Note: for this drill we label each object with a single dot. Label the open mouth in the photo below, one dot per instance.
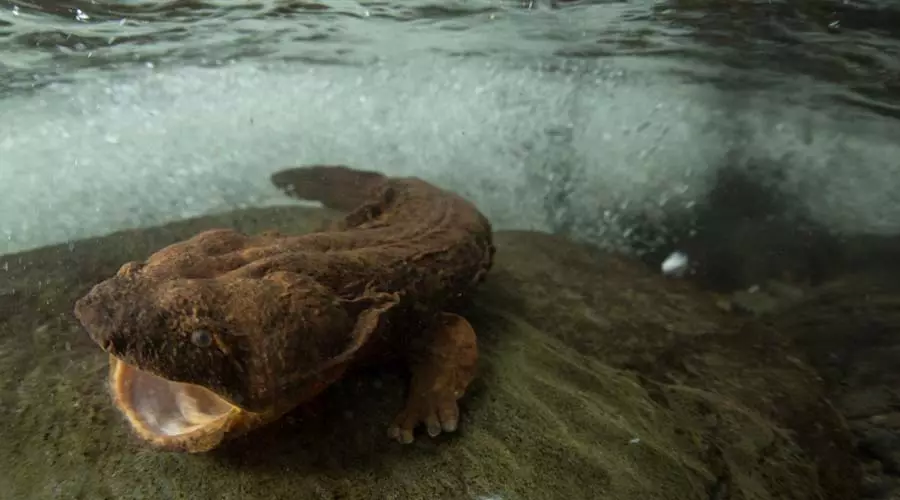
(164, 411)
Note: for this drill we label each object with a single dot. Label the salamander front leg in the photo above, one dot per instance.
(440, 377)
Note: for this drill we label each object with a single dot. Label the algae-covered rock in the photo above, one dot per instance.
(598, 379)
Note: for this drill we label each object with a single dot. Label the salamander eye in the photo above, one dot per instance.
(201, 338)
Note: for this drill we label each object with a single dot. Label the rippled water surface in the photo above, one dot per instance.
(560, 116)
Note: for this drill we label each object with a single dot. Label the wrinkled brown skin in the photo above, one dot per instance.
(289, 314)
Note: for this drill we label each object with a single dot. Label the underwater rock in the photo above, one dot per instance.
(598, 378)
(849, 331)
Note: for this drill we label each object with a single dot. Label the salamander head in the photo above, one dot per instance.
(195, 359)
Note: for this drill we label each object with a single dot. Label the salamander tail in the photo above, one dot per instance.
(335, 186)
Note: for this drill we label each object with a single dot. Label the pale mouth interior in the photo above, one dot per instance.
(163, 407)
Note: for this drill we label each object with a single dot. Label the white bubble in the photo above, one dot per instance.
(675, 264)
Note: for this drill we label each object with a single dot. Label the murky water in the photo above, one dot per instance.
(554, 116)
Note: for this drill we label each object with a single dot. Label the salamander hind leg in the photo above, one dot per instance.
(440, 377)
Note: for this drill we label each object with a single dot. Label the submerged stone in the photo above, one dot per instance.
(598, 378)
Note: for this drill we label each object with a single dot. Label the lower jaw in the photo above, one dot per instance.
(198, 440)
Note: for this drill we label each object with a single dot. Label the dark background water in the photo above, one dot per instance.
(576, 117)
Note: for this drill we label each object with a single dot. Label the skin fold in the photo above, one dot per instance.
(219, 334)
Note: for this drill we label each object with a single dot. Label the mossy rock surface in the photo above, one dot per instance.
(598, 379)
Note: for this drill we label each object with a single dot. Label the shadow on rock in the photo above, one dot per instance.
(850, 332)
